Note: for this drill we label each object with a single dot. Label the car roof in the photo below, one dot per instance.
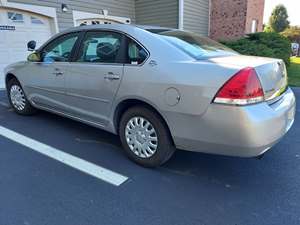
(121, 27)
(125, 28)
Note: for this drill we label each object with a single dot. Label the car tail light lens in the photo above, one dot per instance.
(242, 89)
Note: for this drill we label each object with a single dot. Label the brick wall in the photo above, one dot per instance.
(232, 19)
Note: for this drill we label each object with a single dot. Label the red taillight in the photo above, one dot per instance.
(242, 89)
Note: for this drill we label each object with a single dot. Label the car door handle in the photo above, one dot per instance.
(112, 76)
(59, 73)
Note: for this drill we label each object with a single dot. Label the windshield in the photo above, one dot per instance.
(195, 45)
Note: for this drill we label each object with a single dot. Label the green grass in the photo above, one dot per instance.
(294, 72)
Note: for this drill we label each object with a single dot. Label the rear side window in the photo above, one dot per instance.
(195, 45)
(136, 54)
(101, 47)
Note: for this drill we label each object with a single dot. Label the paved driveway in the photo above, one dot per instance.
(192, 188)
(2, 83)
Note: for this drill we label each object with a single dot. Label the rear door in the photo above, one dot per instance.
(95, 76)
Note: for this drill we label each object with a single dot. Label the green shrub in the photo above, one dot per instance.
(263, 44)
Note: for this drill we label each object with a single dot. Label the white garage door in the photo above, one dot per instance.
(16, 29)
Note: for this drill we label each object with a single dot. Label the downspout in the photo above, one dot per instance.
(180, 14)
(209, 17)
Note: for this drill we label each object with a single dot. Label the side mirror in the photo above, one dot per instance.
(34, 57)
(31, 45)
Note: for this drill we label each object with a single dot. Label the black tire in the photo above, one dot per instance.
(165, 148)
(28, 109)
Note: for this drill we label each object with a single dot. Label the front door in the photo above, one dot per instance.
(46, 79)
(95, 76)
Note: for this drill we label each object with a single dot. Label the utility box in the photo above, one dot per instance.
(295, 49)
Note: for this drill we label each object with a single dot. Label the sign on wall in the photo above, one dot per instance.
(5, 27)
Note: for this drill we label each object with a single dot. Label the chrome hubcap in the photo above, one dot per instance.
(141, 137)
(17, 97)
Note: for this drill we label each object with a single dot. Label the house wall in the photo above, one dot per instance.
(228, 19)
(125, 8)
(232, 19)
(196, 16)
(255, 11)
(157, 12)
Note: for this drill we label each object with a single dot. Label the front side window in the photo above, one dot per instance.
(60, 49)
(101, 47)
(136, 53)
(15, 17)
(195, 45)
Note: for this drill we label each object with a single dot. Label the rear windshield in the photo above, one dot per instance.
(197, 46)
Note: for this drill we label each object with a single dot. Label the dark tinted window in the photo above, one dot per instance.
(101, 47)
(195, 45)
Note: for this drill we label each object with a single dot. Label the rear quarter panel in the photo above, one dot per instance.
(196, 82)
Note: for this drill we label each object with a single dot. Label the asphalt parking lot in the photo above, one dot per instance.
(192, 188)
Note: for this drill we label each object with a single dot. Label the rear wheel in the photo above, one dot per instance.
(18, 99)
(145, 137)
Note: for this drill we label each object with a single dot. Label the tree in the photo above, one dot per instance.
(268, 29)
(292, 33)
(278, 21)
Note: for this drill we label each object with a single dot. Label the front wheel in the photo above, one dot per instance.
(18, 99)
(145, 137)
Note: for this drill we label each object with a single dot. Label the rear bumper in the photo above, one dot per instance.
(236, 131)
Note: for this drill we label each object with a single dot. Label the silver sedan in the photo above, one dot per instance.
(159, 89)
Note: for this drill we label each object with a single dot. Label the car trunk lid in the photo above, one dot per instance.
(271, 72)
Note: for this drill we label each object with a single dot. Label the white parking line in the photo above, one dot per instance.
(70, 160)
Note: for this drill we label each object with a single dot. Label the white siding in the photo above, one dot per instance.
(123, 8)
(157, 12)
(196, 16)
